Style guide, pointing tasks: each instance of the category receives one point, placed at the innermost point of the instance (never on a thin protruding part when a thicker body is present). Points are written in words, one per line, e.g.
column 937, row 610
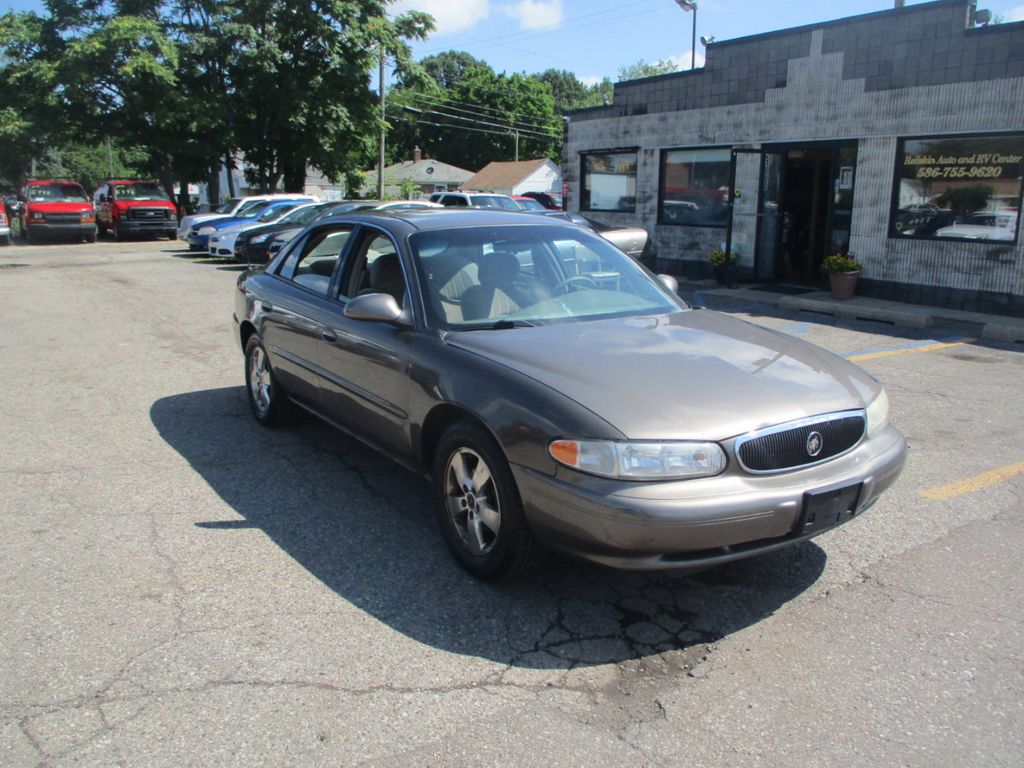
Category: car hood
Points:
column 688, row 375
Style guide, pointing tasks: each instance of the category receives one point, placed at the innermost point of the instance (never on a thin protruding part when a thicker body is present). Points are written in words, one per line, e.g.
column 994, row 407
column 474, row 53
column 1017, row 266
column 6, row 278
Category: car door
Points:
column 365, row 378
column 293, row 305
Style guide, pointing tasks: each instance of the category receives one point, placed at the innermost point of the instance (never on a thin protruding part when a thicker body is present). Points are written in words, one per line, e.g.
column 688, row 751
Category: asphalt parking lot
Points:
column 182, row 587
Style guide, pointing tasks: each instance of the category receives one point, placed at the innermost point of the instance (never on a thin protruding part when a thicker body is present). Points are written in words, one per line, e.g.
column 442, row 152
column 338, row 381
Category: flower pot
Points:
column 725, row 274
column 843, row 284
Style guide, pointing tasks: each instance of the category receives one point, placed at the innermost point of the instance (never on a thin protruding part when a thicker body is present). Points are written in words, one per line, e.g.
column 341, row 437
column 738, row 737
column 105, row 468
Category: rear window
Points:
column 494, row 201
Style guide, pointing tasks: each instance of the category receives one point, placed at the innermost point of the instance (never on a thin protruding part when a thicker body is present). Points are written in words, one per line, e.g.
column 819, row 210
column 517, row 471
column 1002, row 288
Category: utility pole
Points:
column 516, row 134
column 383, row 126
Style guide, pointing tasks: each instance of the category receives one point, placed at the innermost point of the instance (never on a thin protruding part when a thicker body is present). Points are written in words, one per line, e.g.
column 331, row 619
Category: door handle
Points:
column 267, row 306
column 328, row 335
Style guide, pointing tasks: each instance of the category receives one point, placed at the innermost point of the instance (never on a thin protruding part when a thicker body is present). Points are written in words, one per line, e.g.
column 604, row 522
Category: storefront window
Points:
column 960, row 188
column 609, row 182
column 695, row 187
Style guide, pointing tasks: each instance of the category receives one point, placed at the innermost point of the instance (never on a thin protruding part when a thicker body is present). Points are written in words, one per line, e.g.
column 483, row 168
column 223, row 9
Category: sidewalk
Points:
column 990, row 327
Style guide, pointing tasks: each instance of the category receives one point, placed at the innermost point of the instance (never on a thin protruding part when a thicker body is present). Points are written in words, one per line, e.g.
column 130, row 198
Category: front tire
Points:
column 478, row 505
column 267, row 399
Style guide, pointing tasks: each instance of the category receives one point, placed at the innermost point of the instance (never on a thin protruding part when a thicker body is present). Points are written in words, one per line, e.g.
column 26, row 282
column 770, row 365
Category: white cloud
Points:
column 1015, row 14
column 533, row 14
column 590, row 80
column 448, row 16
column 682, row 61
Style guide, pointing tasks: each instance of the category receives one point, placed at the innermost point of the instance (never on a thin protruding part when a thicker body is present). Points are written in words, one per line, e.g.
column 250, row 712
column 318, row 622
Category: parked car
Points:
column 221, row 242
column 233, row 207
column 199, row 236
column 549, row 200
column 558, row 394
column 984, row 225
column 5, row 228
column 130, row 207
column 633, row 241
column 54, row 209
column 278, row 240
column 474, row 200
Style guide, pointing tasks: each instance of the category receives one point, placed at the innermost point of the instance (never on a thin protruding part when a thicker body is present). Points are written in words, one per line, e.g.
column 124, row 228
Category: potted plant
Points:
column 724, row 266
column 843, row 271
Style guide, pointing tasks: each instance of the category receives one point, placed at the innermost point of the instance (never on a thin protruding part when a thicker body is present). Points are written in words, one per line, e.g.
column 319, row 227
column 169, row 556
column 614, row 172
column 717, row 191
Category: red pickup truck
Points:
column 53, row 209
column 130, row 207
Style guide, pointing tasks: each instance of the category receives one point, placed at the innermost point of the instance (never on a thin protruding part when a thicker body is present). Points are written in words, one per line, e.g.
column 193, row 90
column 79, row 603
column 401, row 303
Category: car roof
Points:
column 433, row 219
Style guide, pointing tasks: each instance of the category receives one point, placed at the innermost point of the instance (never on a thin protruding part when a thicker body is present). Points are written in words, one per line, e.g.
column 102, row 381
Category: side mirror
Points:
column 376, row 308
column 669, row 282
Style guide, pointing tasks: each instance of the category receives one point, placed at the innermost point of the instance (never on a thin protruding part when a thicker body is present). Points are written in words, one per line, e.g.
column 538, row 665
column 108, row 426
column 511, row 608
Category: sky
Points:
column 594, row 38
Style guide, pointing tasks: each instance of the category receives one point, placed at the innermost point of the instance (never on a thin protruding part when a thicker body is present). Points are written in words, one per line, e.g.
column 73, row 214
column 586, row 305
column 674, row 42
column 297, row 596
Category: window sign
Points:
column 962, row 188
column 695, row 187
column 609, row 182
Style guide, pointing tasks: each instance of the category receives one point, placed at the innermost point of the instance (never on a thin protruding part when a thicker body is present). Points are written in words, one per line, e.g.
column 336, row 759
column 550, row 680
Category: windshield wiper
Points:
column 501, row 325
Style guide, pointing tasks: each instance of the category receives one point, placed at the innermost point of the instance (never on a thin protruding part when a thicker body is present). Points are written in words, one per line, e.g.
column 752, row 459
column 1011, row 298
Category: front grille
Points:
column 786, row 446
column 64, row 218
column 148, row 214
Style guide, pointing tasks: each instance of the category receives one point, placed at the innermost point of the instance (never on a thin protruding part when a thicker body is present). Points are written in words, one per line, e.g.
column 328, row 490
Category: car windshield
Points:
column 529, row 204
column 273, row 214
column 229, row 205
column 252, row 208
column 56, row 193
column 143, row 190
column 486, row 277
column 302, row 214
column 493, row 201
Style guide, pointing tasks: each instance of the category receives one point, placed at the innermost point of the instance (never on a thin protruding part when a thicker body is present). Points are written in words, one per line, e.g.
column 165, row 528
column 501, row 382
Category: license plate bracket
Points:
column 826, row 509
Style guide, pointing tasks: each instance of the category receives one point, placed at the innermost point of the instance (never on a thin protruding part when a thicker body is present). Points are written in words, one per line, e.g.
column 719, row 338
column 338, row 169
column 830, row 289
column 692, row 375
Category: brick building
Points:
column 896, row 135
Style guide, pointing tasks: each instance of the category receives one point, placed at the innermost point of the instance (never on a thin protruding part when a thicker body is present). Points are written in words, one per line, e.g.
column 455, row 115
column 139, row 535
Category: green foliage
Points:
column 719, row 258
column 841, row 262
column 570, row 93
column 474, row 119
column 643, row 69
column 194, row 81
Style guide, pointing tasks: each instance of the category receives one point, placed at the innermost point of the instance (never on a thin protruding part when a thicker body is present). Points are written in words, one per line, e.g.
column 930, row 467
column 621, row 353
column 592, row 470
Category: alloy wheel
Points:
column 259, row 380
column 471, row 498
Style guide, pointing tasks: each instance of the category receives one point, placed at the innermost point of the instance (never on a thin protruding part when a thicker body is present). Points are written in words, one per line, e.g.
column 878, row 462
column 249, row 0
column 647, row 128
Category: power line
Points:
column 506, row 133
column 506, row 128
column 526, row 124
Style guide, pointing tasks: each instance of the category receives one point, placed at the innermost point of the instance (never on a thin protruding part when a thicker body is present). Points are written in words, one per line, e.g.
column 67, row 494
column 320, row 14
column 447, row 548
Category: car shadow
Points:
column 364, row 527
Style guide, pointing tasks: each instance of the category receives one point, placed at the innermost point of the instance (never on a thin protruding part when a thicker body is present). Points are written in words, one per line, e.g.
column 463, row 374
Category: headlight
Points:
column 88, row 217
column 640, row 461
column 206, row 231
column 878, row 413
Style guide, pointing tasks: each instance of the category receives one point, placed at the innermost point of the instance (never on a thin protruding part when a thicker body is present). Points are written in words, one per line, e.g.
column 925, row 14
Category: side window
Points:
column 454, row 201
column 312, row 263
column 375, row 268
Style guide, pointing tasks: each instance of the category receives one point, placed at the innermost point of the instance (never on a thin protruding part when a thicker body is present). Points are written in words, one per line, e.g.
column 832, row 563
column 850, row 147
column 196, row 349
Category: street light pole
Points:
column 691, row 5
column 383, row 128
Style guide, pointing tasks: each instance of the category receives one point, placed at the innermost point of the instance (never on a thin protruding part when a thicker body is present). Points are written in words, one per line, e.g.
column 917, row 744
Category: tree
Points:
column 300, row 83
column 570, row 93
column 643, row 69
column 447, row 69
column 481, row 116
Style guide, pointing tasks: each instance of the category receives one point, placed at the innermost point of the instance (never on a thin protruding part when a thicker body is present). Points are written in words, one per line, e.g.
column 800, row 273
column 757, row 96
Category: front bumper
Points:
column 42, row 229
column 166, row 227
column 198, row 242
column 693, row 524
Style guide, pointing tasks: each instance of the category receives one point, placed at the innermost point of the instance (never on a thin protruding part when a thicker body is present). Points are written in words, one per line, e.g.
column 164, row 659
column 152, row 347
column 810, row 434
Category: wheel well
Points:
column 435, row 425
column 247, row 329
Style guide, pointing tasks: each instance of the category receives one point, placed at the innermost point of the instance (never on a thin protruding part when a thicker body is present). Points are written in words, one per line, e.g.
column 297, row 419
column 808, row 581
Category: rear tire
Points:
column 91, row 237
column 267, row 399
column 117, row 232
column 478, row 506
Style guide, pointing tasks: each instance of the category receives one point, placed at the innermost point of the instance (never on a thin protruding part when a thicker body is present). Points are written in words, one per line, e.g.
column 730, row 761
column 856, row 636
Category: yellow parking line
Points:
column 976, row 483
column 926, row 348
